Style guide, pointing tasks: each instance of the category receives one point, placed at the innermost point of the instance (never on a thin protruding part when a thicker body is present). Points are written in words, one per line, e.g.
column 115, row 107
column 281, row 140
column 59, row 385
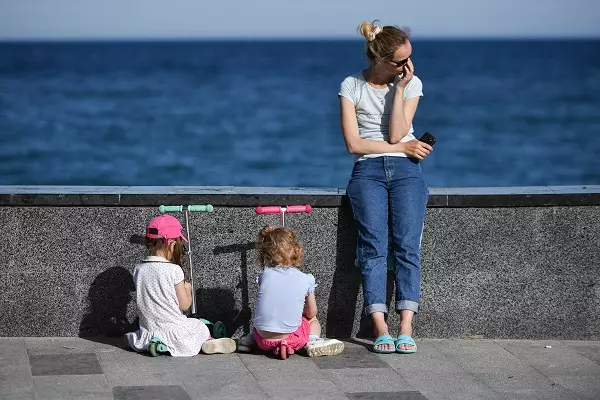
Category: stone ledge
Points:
column 233, row 196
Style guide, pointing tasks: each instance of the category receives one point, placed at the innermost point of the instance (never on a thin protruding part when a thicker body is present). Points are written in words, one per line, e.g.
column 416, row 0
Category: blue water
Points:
column 506, row 113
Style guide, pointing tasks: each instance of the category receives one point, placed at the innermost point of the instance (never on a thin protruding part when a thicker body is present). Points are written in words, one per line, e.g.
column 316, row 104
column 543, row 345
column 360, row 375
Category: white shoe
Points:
column 324, row 347
column 221, row 346
column 245, row 343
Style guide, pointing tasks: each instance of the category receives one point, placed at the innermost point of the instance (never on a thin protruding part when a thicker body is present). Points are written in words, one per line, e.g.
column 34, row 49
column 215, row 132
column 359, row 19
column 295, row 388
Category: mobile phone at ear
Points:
column 428, row 138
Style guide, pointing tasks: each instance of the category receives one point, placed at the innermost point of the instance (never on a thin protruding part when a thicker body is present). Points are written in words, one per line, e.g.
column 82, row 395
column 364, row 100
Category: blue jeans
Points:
column 389, row 192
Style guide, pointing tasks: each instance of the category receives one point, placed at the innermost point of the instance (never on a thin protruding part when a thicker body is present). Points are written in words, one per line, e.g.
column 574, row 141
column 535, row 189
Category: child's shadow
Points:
column 245, row 314
column 108, row 300
column 218, row 304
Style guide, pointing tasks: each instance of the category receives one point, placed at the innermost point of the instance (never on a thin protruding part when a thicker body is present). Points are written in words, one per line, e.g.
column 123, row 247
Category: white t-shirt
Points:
column 374, row 106
column 158, row 308
column 281, row 295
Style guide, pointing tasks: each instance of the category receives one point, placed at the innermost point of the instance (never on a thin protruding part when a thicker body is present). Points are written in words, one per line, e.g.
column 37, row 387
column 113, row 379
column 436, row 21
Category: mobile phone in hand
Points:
column 428, row 138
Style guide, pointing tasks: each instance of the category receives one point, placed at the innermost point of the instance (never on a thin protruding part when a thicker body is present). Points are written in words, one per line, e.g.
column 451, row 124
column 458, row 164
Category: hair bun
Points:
column 369, row 30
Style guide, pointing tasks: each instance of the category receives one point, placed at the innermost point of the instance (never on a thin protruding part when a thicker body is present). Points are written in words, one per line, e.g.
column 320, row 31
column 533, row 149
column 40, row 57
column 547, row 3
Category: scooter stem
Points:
column 187, row 230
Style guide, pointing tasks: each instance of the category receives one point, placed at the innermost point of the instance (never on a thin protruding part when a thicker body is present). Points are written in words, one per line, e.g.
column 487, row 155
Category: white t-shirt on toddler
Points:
column 281, row 296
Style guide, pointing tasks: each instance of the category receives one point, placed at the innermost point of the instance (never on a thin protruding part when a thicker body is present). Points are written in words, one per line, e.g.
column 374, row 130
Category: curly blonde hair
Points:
column 279, row 246
column 382, row 42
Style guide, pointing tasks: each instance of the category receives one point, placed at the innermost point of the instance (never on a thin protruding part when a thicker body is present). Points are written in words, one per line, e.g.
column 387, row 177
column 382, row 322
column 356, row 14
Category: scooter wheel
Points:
column 162, row 348
column 219, row 330
column 152, row 349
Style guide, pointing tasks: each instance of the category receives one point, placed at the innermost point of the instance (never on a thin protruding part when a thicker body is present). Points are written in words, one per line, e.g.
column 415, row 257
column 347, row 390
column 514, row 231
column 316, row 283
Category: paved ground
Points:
column 73, row 368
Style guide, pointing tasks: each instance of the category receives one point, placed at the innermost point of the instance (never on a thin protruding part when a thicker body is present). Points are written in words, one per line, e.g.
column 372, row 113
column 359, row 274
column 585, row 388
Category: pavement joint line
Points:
column 465, row 372
column 248, row 369
column 578, row 353
column 575, row 396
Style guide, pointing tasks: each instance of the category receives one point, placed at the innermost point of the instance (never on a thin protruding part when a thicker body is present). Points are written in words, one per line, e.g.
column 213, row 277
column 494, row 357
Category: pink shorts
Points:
column 294, row 341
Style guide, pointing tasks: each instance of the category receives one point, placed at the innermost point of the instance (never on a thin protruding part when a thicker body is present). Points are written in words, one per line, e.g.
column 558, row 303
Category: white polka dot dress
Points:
column 158, row 308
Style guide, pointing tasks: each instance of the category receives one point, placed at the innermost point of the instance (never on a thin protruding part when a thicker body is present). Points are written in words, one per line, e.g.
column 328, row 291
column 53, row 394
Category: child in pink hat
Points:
column 163, row 295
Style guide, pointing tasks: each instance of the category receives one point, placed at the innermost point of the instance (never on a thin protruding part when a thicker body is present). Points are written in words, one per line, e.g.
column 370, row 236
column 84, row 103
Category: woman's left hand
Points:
column 407, row 74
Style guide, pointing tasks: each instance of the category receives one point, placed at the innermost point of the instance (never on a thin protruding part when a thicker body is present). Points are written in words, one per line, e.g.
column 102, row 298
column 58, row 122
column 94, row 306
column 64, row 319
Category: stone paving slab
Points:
column 444, row 369
column 387, row 396
column 298, row 389
column 128, row 368
column 354, row 356
column 70, row 345
column 356, row 380
column 16, row 382
column 226, row 384
column 15, row 372
column 13, row 352
column 155, row 392
column 501, row 370
column 268, row 368
column 562, row 363
column 438, row 376
column 72, row 387
column 588, row 349
column 65, row 364
column 218, row 377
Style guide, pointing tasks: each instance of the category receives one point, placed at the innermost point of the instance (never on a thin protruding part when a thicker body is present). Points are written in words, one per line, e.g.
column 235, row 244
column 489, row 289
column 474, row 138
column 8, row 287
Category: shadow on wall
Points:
column 218, row 304
column 111, row 292
column 223, row 304
column 109, row 296
column 345, row 297
column 345, row 286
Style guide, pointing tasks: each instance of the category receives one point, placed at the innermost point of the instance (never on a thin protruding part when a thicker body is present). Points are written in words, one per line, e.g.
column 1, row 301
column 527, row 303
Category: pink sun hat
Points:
column 165, row 227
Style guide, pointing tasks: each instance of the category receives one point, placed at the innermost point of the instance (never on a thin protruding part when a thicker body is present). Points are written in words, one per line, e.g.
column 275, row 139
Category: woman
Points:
column 387, row 188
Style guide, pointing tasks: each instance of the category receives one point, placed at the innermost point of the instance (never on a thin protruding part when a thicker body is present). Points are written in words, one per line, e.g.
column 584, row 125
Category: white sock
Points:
column 312, row 338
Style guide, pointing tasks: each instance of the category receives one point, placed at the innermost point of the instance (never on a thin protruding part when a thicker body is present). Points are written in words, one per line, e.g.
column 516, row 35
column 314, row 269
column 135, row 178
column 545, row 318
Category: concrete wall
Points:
column 497, row 263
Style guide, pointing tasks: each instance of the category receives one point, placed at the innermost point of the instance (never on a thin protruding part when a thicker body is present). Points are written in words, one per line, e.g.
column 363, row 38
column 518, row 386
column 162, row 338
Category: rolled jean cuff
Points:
column 407, row 305
column 376, row 308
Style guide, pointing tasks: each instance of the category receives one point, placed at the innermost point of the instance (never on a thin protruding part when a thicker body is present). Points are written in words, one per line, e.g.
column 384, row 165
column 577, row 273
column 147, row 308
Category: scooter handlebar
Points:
column 298, row 209
column 278, row 209
column 193, row 208
column 201, row 208
column 268, row 210
column 166, row 209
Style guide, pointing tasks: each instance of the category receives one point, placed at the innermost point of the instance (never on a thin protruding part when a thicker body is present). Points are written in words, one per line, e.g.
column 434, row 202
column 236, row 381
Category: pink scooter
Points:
column 278, row 210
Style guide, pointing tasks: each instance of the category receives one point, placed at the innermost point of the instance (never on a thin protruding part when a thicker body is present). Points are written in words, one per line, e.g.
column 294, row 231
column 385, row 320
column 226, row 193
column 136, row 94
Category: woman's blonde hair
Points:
column 156, row 246
column 279, row 246
column 382, row 42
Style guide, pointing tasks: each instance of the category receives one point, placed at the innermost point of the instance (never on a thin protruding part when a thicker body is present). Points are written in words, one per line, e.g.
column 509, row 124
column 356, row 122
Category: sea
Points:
column 261, row 113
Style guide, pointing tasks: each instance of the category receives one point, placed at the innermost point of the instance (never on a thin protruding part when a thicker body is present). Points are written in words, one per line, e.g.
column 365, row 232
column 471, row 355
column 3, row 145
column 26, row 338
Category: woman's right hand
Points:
column 416, row 149
column 408, row 71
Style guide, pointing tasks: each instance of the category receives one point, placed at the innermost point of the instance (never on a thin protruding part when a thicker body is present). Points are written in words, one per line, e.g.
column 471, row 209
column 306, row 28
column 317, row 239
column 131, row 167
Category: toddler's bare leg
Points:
column 322, row 347
column 315, row 327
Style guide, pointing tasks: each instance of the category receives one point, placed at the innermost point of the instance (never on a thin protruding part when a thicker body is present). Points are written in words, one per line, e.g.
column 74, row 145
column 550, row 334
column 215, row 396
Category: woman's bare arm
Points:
column 357, row 145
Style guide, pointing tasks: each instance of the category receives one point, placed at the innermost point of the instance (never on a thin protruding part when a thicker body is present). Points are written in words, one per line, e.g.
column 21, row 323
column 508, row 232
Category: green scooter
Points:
column 219, row 330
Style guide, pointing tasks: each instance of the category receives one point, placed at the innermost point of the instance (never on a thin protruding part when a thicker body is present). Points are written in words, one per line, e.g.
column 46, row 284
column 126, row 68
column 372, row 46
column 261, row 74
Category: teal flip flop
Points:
column 405, row 339
column 382, row 340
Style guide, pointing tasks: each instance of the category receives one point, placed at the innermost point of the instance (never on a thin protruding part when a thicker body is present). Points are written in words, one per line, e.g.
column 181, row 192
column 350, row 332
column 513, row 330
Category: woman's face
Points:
column 398, row 62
